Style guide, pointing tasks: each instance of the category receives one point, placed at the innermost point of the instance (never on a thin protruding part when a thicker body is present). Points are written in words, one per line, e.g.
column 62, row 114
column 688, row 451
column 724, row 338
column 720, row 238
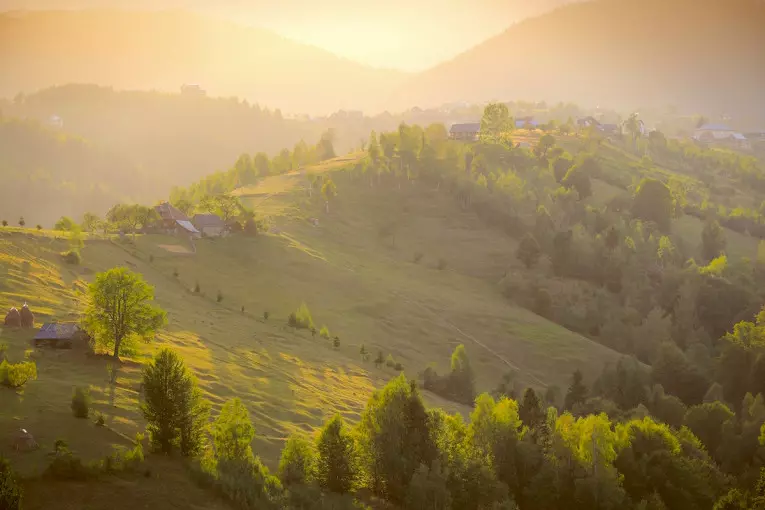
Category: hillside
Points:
column 356, row 282
column 696, row 55
column 47, row 174
column 164, row 50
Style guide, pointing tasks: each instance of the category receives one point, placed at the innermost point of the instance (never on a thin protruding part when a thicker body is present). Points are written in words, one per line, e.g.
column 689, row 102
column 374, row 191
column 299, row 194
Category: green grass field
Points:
column 365, row 286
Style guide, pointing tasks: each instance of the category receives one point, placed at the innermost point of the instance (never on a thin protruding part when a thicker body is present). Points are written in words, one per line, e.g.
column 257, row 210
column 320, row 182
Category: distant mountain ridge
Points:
column 702, row 54
column 164, row 49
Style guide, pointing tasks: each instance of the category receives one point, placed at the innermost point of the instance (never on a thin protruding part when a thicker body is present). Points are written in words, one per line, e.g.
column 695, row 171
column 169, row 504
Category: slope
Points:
column 367, row 289
column 620, row 53
column 163, row 50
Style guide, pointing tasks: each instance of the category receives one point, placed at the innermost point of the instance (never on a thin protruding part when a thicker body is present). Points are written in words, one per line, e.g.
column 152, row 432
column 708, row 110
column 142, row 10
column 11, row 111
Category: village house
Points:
column 720, row 134
column 466, row 132
column 61, row 335
column 174, row 221
column 526, row 123
column 210, row 225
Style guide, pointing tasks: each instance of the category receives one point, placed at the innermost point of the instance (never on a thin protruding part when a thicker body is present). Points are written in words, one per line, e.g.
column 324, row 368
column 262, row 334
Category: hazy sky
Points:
column 402, row 34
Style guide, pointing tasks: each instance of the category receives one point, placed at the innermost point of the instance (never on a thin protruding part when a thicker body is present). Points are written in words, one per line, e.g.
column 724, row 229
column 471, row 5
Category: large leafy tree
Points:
column 394, row 439
column 174, row 408
column 496, row 121
column 121, row 306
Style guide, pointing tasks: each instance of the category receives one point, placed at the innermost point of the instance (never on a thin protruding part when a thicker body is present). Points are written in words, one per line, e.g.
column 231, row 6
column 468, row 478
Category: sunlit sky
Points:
column 402, row 34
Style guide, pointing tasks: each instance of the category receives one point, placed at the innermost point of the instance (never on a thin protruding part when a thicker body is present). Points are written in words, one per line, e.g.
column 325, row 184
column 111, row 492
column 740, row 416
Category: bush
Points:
column 10, row 490
column 324, row 332
column 398, row 366
column 266, row 315
column 72, row 257
column 65, row 465
column 246, row 483
column 81, row 403
column 301, row 318
column 176, row 274
column 17, row 375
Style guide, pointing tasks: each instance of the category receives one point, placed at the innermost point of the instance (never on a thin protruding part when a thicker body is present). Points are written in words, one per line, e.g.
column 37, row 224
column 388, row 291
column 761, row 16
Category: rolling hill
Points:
column 164, row 50
column 696, row 55
column 366, row 290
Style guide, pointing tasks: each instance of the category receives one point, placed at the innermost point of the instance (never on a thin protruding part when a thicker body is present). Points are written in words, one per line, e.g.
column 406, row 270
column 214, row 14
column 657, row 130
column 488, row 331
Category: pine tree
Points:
column 577, row 392
column 335, row 464
column 530, row 410
column 174, row 406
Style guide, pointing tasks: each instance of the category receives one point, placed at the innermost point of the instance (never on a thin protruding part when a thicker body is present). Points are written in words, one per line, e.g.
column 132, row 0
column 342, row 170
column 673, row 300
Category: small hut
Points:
column 27, row 317
column 24, row 442
column 13, row 319
column 61, row 335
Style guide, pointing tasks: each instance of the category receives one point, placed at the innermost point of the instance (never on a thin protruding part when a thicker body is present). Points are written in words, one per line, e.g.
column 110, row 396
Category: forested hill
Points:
column 163, row 50
column 702, row 55
column 46, row 174
column 181, row 137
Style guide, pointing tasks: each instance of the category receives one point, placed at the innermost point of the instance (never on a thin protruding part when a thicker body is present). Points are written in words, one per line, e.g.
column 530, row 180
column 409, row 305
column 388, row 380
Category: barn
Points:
column 61, row 335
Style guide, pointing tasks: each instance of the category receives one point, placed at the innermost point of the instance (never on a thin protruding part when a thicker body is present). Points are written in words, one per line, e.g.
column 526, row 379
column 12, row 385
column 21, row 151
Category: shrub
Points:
column 10, row 490
column 72, row 257
column 81, row 403
column 364, row 353
column 266, row 315
column 398, row 366
column 18, row 374
column 219, row 297
column 301, row 318
column 417, row 257
column 379, row 360
column 324, row 332
column 5, row 223
column 125, row 460
column 39, row 227
column 65, row 465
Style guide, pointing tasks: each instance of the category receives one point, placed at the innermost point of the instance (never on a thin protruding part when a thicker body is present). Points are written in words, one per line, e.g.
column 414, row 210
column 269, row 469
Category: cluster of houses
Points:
column 174, row 221
column 706, row 134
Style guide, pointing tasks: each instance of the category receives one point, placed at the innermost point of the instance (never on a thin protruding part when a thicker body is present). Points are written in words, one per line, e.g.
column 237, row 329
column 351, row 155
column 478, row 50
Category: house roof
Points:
column 473, row 127
column 714, row 127
column 208, row 221
column 57, row 331
column 186, row 225
column 169, row 213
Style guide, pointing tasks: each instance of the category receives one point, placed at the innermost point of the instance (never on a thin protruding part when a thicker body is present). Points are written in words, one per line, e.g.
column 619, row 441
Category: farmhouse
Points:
column 173, row 220
column 210, row 225
column 467, row 132
column 720, row 133
column 61, row 335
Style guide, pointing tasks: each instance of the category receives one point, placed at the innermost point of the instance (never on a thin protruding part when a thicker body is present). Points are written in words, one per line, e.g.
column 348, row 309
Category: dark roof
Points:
column 169, row 213
column 473, row 127
column 714, row 127
column 208, row 220
column 58, row 331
